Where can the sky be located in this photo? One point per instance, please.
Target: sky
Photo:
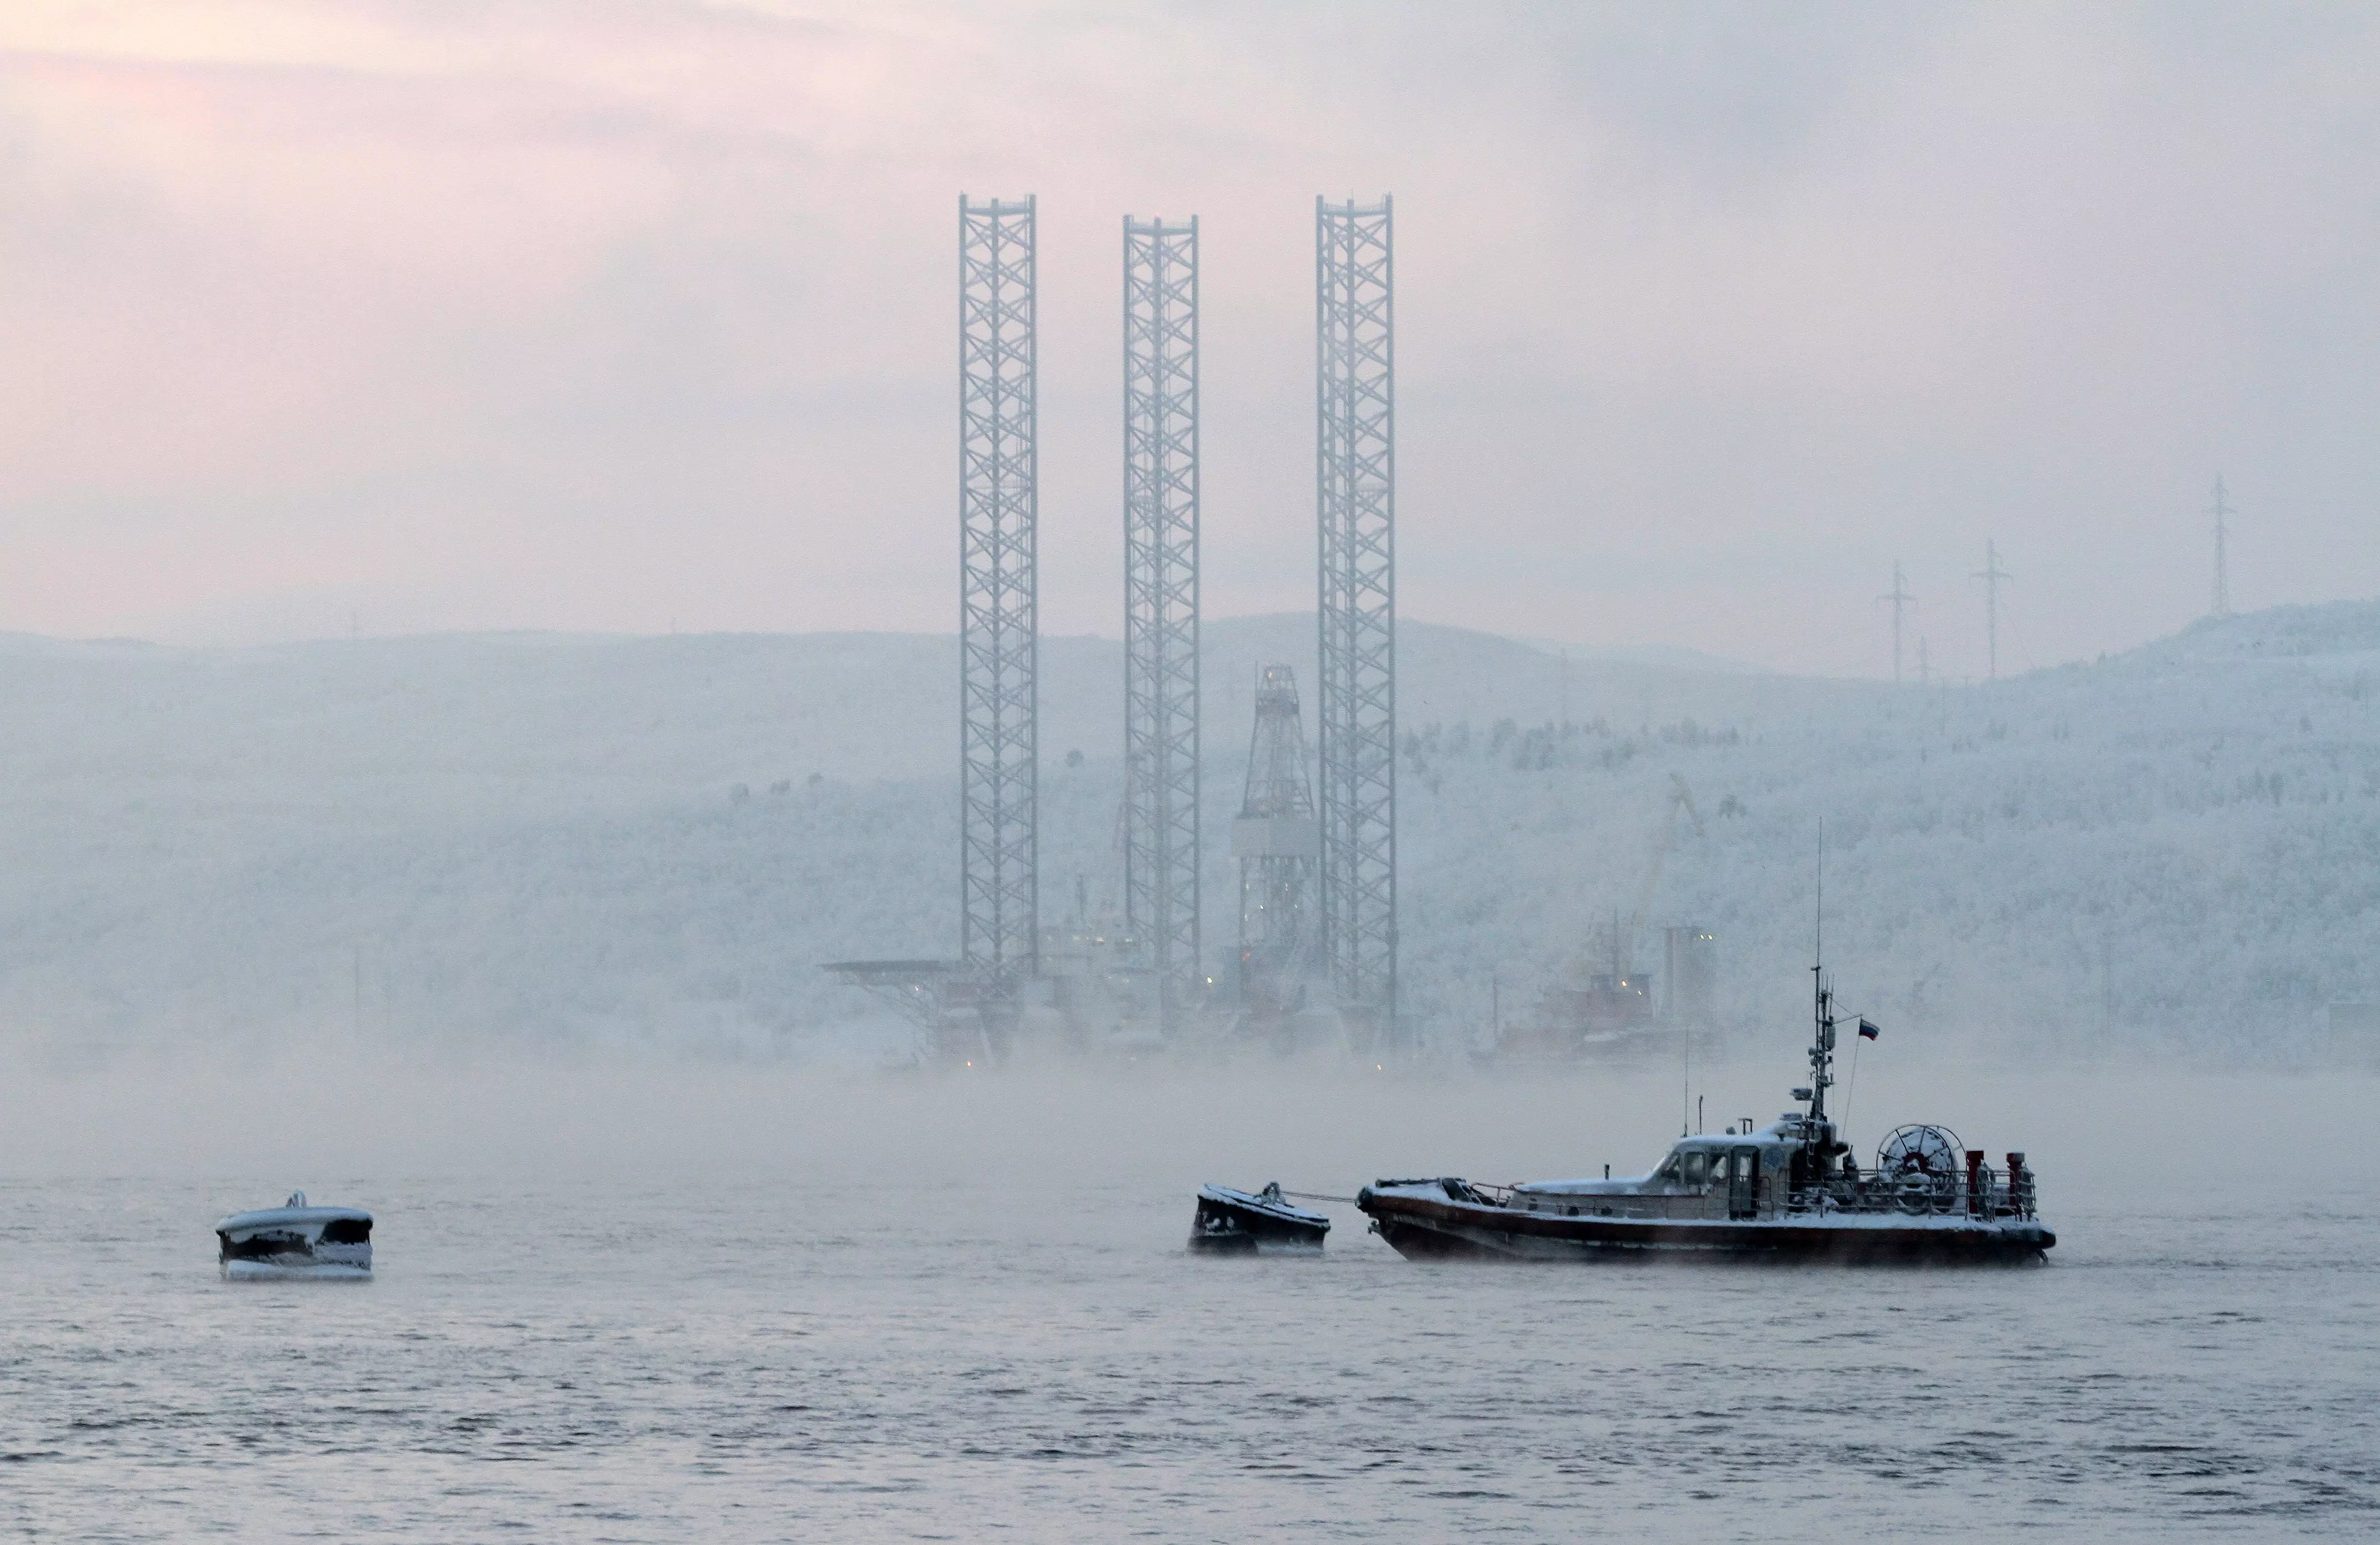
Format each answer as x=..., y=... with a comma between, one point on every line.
x=394, y=316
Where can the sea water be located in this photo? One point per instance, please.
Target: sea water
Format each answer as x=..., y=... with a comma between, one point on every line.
x=610, y=1347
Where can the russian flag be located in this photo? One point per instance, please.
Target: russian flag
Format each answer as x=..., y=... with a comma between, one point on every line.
x=1868, y=1032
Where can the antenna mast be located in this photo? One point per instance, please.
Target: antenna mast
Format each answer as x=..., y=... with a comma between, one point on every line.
x=2222, y=513
x=1822, y=1040
x=1899, y=598
x=1991, y=575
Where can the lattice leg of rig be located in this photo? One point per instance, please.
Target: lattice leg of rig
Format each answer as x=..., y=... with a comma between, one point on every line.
x=1355, y=508
x=998, y=648
x=1160, y=528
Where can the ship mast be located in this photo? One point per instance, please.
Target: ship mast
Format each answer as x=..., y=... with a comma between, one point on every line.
x=1822, y=1051
x=1822, y=1037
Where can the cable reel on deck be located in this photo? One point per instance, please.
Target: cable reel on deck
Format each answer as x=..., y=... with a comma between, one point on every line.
x=1922, y=1164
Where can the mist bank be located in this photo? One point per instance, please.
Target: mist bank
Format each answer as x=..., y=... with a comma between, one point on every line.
x=554, y=844
x=352, y=1120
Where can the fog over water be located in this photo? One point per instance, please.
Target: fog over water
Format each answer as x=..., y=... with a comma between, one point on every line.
x=337, y=1110
x=477, y=519
x=644, y=1301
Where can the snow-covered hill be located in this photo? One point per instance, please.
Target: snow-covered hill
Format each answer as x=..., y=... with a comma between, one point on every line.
x=575, y=839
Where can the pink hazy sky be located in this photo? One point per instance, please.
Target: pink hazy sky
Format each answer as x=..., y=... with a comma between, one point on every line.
x=628, y=314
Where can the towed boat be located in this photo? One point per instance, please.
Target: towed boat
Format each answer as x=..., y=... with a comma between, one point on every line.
x=1231, y=1222
x=296, y=1243
x=1789, y=1190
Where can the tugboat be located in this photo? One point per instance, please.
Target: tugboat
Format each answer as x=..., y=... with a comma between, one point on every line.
x=296, y=1243
x=1791, y=1191
x=1234, y=1222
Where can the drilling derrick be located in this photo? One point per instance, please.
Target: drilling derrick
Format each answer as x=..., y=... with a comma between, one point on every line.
x=998, y=648
x=1278, y=842
x=1160, y=625
x=1355, y=513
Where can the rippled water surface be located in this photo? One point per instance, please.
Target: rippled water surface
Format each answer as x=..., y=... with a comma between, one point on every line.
x=756, y=1360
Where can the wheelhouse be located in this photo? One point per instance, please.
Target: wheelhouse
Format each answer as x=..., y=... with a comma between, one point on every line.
x=1795, y=1167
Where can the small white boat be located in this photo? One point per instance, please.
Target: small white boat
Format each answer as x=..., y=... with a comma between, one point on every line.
x=294, y=1242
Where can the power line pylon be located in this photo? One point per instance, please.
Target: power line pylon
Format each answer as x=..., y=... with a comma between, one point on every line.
x=1355, y=509
x=1160, y=611
x=2222, y=513
x=1992, y=575
x=999, y=509
x=1279, y=846
x=1899, y=598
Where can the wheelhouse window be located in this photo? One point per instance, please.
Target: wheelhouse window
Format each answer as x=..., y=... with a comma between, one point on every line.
x=263, y=1246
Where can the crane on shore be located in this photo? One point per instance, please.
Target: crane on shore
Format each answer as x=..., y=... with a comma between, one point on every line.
x=1681, y=798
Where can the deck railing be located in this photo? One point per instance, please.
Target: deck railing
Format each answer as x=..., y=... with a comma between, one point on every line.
x=1981, y=1192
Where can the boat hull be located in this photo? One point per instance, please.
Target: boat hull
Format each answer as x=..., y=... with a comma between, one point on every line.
x=1236, y=1223
x=1421, y=1228
x=294, y=1271
x=297, y=1243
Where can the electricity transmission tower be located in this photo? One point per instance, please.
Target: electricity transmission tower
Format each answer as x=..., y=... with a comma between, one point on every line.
x=1355, y=510
x=1279, y=846
x=1992, y=575
x=1899, y=598
x=998, y=648
x=1161, y=605
x=2222, y=513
